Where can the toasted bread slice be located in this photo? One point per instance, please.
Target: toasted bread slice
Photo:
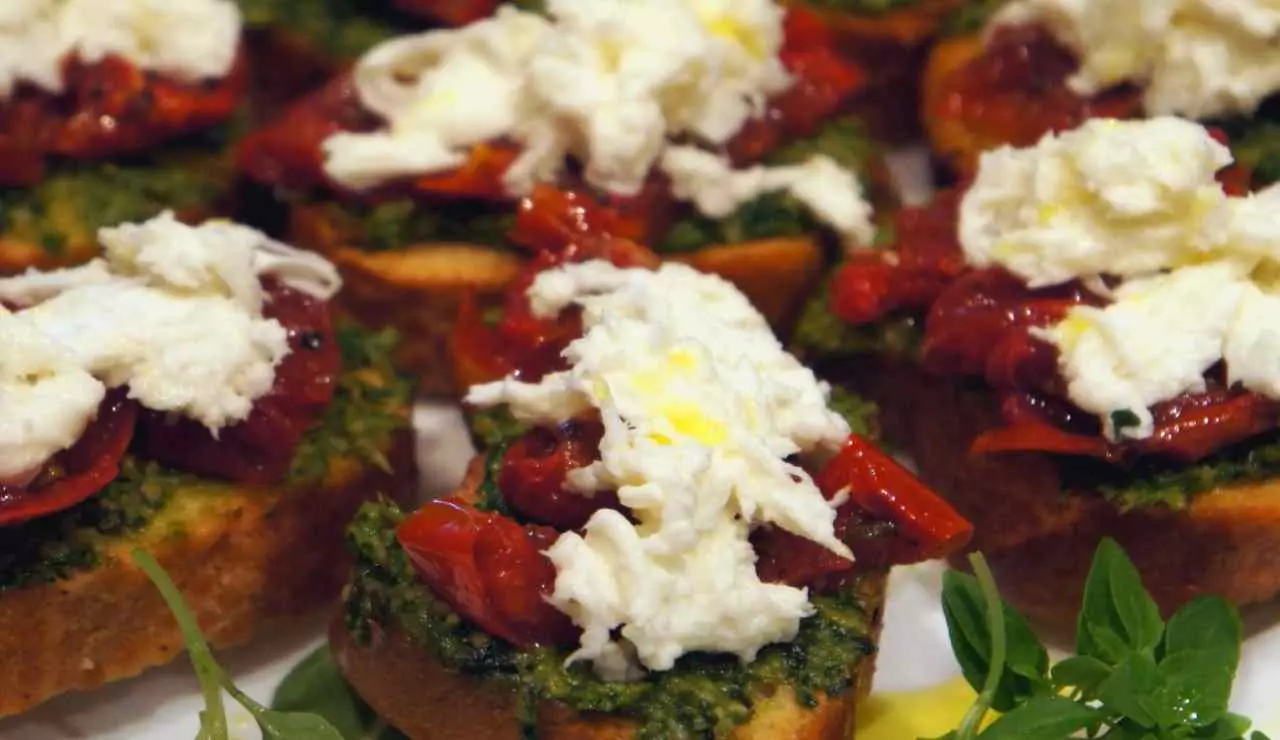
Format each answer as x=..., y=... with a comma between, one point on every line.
x=418, y=289
x=955, y=145
x=411, y=690
x=243, y=556
x=75, y=612
x=1039, y=535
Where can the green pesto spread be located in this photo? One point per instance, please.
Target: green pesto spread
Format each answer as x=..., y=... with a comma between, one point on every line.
x=821, y=337
x=399, y=223
x=703, y=696
x=774, y=214
x=1256, y=144
x=971, y=17
x=863, y=7
x=368, y=406
x=1175, y=487
x=65, y=210
x=340, y=28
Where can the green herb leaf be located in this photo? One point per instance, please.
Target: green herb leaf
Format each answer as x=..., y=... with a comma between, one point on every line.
x=1024, y=673
x=1118, y=616
x=1082, y=673
x=316, y=685
x=213, y=719
x=1136, y=678
x=1043, y=718
x=991, y=608
x=275, y=725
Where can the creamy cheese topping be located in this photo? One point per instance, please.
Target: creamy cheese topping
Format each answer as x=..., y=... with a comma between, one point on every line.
x=604, y=81
x=830, y=192
x=1122, y=198
x=700, y=405
x=174, y=312
x=1137, y=201
x=191, y=40
x=1197, y=58
x=46, y=399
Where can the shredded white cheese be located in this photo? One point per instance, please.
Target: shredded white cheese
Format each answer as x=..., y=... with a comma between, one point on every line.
x=174, y=312
x=1136, y=200
x=831, y=193
x=700, y=404
x=190, y=40
x=46, y=399
x=1196, y=58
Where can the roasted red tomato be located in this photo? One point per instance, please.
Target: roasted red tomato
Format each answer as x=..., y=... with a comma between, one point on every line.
x=534, y=470
x=925, y=259
x=489, y=569
x=891, y=518
x=261, y=448
x=109, y=108
x=1017, y=91
x=79, y=472
x=450, y=12
x=825, y=82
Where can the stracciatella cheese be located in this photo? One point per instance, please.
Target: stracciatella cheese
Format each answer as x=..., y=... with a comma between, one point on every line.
x=174, y=312
x=831, y=193
x=1196, y=58
x=606, y=82
x=701, y=408
x=190, y=40
x=46, y=399
x=1136, y=201
x=1116, y=197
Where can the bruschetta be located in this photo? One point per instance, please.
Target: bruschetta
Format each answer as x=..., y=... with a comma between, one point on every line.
x=1044, y=65
x=110, y=117
x=1062, y=370
x=409, y=172
x=189, y=393
x=671, y=533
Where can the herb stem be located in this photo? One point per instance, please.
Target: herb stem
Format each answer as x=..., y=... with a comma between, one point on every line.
x=213, y=724
x=972, y=721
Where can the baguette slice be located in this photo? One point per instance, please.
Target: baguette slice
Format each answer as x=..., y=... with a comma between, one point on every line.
x=1039, y=536
x=243, y=556
x=413, y=692
x=418, y=289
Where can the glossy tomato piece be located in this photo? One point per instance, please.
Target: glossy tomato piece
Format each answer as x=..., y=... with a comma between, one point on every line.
x=488, y=569
x=879, y=488
x=450, y=12
x=79, y=472
x=261, y=448
x=534, y=470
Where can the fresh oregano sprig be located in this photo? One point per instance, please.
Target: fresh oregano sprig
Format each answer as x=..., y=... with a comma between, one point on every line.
x=1134, y=676
x=275, y=725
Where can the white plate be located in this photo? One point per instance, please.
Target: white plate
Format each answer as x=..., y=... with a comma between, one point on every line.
x=915, y=653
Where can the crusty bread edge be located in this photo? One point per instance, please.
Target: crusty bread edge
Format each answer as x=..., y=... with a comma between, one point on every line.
x=413, y=692
x=1039, y=537
x=252, y=556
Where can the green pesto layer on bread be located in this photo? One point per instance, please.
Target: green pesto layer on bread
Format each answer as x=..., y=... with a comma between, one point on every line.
x=825, y=342
x=148, y=502
x=399, y=223
x=702, y=696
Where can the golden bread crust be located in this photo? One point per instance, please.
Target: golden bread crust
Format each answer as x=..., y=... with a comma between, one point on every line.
x=242, y=556
x=1040, y=538
x=407, y=687
x=418, y=289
